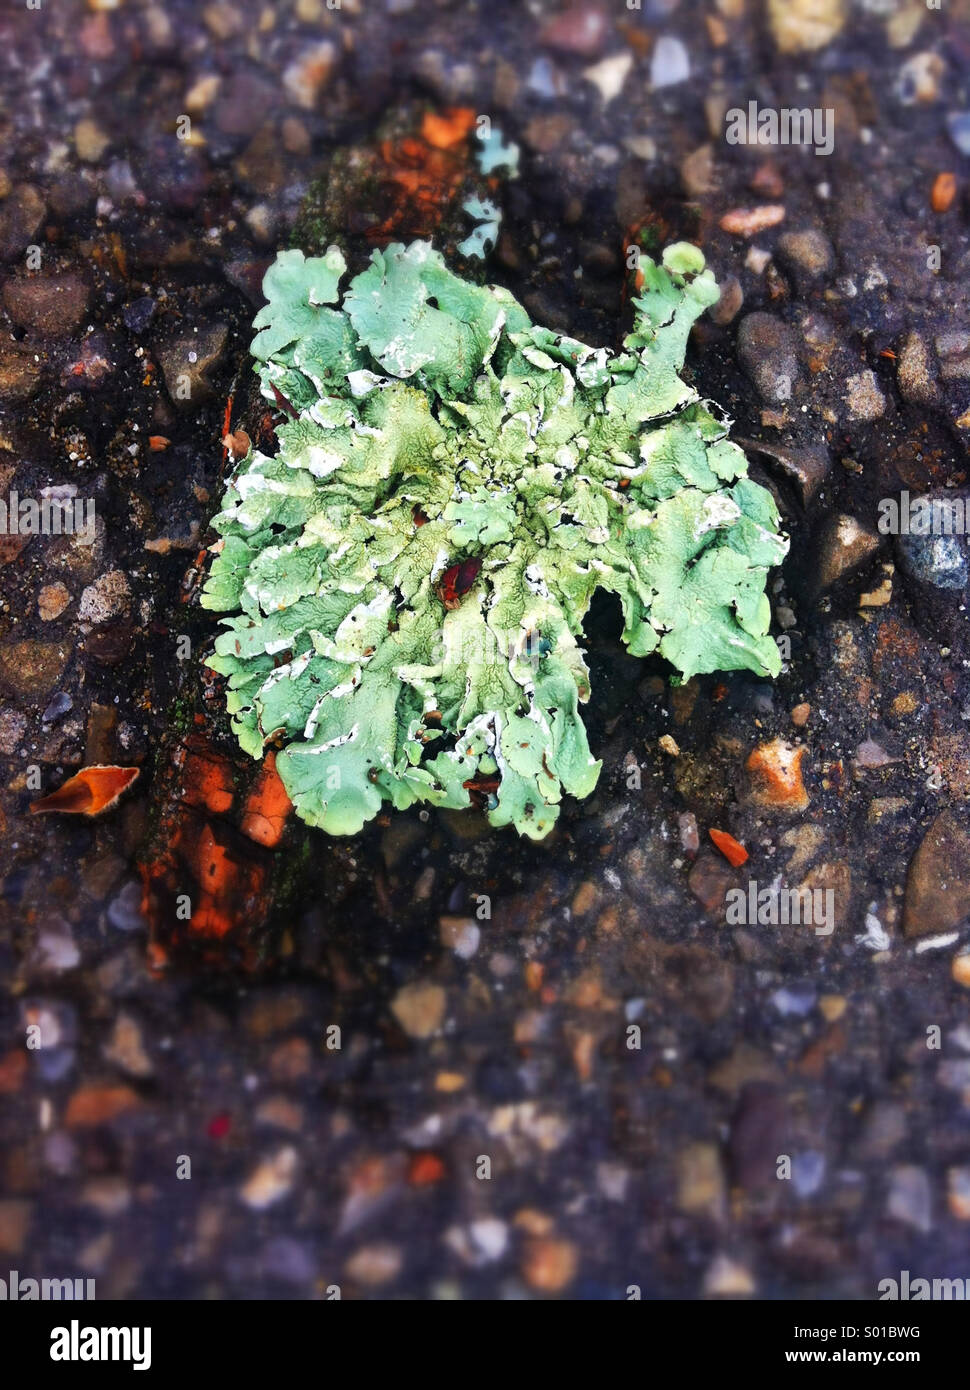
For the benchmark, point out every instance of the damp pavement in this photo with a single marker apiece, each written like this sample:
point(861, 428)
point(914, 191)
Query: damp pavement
point(460, 1066)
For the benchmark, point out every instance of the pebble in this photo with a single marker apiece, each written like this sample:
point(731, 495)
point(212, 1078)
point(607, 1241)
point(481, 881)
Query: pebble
point(748, 222)
point(730, 303)
point(802, 26)
point(943, 192)
point(419, 1008)
point(688, 832)
point(126, 1047)
point(490, 1236)
point(124, 912)
point(697, 172)
point(20, 375)
point(108, 1196)
point(192, 355)
point(544, 80)
point(937, 563)
point(550, 1265)
point(56, 951)
point(775, 773)
point(461, 935)
point(21, 216)
point(31, 667)
point(960, 969)
point(794, 1001)
point(872, 754)
point(374, 1265)
point(808, 252)
point(758, 1133)
point(93, 1105)
point(919, 79)
point(701, 1186)
point(139, 313)
point(669, 62)
point(108, 597)
point(585, 899)
point(709, 880)
point(271, 1180)
point(806, 466)
point(308, 75)
point(13, 726)
point(609, 75)
point(641, 146)
point(914, 371)
point(846, 546)
point(52, 304)
point(223, 20)
point(580, 29)
point(90, 141)
point(958, 126)
point(958, 1193)
point(767, 348)
point(864, 398)
point(808, 1172)
point(51, 601)
point(910, 1197)
point(727, 1278)
point(937, 897)
point(58, 706)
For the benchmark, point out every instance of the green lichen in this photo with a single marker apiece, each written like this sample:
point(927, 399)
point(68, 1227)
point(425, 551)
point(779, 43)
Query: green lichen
point(409, 574)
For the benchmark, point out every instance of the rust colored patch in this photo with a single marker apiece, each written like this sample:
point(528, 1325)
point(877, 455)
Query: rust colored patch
point(203, 882)
point(775, 770)
point(89, 792)
point(11, 546)
point(449, 129)
point(13, 1068)
point(425, 1169)
point(420, 174)
point(267, 806)
point(734, 852)
point(207, 781)
point(943, 192)
point(98, 1105)
point(226, 426)
point(158, 443)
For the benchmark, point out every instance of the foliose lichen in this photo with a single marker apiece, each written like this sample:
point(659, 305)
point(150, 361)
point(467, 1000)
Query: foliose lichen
point(408, 575)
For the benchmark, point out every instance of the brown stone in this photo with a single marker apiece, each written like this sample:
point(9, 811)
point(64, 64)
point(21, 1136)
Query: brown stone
point(53, 304)
point(938, 881)
point(98, 1105)
point(31, 667)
